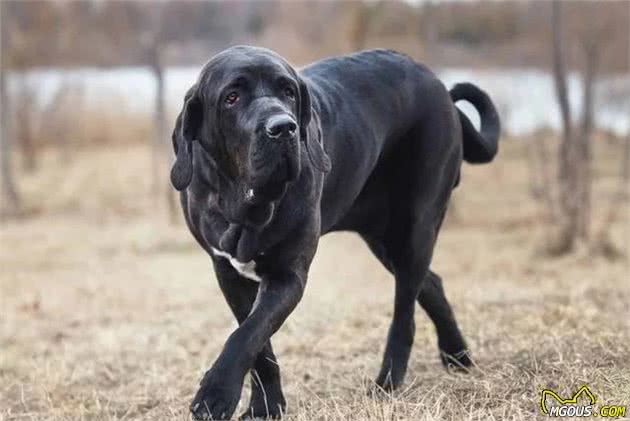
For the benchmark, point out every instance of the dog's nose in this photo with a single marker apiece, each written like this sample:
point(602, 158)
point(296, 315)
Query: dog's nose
point(280, 126)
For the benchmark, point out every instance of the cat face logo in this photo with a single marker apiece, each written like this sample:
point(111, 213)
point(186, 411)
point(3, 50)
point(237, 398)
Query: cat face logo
point(571, 408)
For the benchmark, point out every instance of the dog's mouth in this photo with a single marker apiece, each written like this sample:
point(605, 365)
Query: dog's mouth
point(269, 184)
point(273, 162)
point(270, 188)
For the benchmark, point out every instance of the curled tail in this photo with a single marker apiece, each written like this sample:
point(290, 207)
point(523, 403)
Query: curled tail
point(481, 146)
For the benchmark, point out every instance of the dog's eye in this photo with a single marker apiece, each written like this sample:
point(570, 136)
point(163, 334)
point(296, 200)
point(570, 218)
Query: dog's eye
point(231, 98)
point(289, 92)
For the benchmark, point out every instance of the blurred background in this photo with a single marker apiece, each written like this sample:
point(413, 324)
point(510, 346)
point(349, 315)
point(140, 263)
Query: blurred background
point(97, 267)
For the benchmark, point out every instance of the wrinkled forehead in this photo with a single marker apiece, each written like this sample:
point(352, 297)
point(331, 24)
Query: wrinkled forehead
point(251, 65)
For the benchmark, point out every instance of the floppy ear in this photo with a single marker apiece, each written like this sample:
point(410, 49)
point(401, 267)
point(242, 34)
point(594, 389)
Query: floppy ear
point(311, 132)
point(186, 131)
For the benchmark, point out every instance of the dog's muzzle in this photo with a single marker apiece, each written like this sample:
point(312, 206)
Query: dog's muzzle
point(274, 157)
point(281, 127)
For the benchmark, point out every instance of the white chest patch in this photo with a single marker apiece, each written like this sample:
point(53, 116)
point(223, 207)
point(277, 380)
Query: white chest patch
point(247, 269)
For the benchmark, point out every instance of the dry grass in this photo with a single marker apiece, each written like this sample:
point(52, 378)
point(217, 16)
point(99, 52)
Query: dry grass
point(70, 120)
point(109, 313)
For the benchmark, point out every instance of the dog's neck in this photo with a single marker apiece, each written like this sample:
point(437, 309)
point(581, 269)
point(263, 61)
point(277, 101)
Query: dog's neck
point(239, 238)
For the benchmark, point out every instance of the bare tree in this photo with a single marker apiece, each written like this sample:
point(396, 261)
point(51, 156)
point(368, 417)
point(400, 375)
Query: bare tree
point(161, 157)
point(154, 62)
point(360, 25)
point(584, 164)
point(155, 45)
point(10, 197)
point(574, 155)
point(567, 179)
point(24, 130)
point(430, 24)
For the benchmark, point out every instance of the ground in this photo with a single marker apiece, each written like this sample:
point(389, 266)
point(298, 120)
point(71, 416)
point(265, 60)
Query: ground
point(109, 312)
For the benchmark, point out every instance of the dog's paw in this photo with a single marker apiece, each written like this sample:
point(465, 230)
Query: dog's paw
point(375, 391)
point(457, 361)
point(265, 405)
point(215, 399)
point(273, 412)
point(383, 386)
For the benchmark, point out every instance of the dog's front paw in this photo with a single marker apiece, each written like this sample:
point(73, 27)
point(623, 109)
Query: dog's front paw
point(272, 413)
point(216, 398)
point(457, 361)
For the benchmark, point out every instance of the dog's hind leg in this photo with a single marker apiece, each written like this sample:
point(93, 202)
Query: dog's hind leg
point(452, 346)
point(419, 189)
point(453, 350)
point(267, 399)
point(410, 263)
point(402, 329)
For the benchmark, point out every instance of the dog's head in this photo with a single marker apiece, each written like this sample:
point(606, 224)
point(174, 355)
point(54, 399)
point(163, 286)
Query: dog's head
point(250, 112)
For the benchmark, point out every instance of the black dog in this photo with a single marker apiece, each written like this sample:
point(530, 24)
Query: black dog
point(269, 159)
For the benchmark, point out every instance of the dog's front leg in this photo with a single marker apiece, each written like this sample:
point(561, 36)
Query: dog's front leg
point(221, 386)
point(267, 399)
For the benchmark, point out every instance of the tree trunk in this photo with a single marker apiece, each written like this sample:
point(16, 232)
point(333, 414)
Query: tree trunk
point(431, 31)
point(584, 146)
point(566, 155)
point(158, 123)
point(360, 25)
point(624, 179)
point(544, 185)
point(10, 197)
point(24, 126)
point(161, 156)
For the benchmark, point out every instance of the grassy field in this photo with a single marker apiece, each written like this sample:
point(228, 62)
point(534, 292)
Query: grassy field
point(108, 312)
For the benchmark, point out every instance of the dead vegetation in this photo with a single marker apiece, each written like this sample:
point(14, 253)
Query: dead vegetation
point(109, 313)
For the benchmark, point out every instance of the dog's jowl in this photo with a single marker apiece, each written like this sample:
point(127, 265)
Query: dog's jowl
point(269, 159)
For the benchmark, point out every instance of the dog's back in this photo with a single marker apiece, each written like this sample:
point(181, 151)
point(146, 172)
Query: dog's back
point(370, 96)
point(368, 103)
